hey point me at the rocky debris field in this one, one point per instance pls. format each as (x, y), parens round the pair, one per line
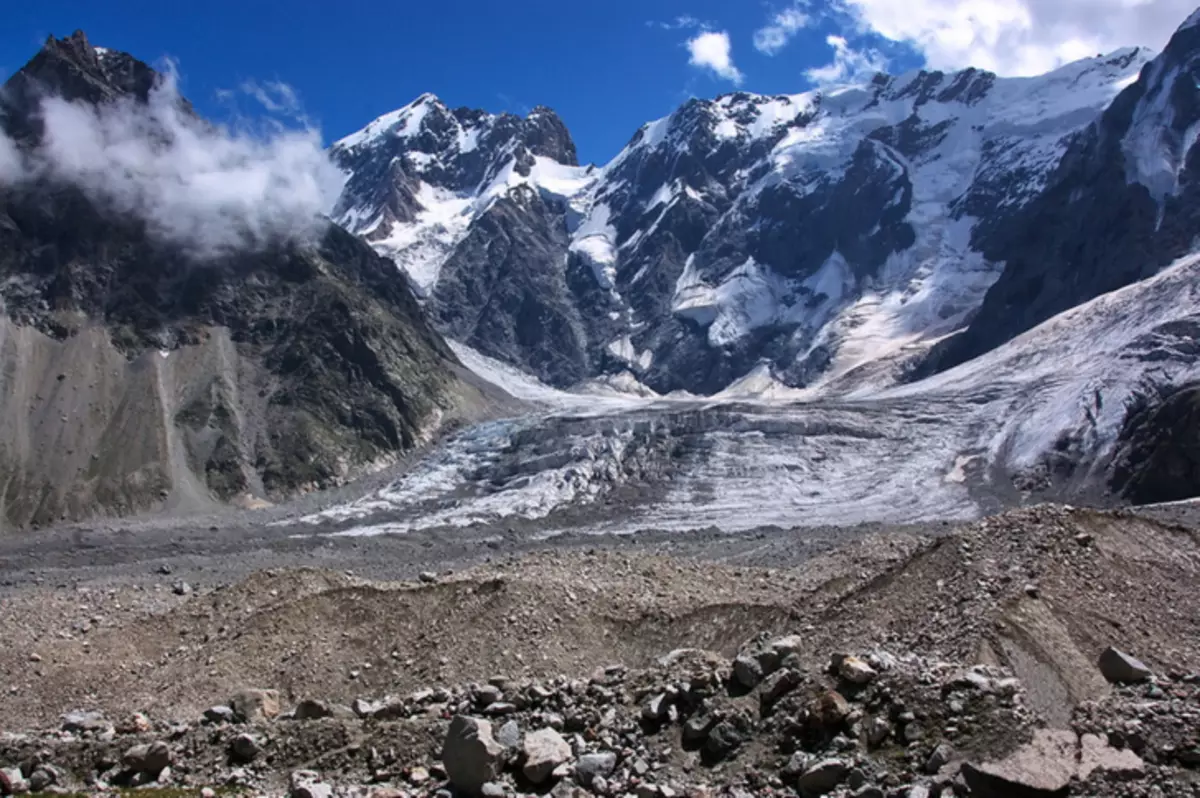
(1044, 652)
(694, 724)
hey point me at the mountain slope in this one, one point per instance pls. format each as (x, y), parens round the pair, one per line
(134, 375)
(813, 233)
(1120, 207)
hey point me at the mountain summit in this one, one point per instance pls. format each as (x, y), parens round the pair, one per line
(819, 235)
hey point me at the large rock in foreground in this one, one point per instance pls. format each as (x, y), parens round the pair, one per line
(470, 754)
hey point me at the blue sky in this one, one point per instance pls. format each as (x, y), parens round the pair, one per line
(605, 66)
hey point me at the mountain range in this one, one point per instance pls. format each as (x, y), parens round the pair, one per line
(887, 241)
(834, 237)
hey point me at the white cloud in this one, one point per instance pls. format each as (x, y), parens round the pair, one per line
(12, 168)
(712, 50)
(848, 65)
(679, 23)
(1019, 37)
(204, 188)
(773, 37)
(276, 97)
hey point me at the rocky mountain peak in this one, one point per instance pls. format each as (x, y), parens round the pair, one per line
(182, 379)
(70, 68)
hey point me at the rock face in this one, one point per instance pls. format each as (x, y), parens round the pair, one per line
(1119, 207)
(1157, 458)
(736, 232)
(140, 376)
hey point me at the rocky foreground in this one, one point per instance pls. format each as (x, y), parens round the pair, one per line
(1047, 652)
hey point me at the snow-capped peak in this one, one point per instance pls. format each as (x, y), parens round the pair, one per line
(401, 123)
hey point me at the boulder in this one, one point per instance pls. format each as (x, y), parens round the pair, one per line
(724, 739)
(79, 722)
(255, 705)
(148, 758)
(308, 784)
(590, 766)
(509, 735)
(219, 714)
(470, 755)
(656, 707)
(1120, 668)
(12, 782)
(939, 758)
(779, 684)
(747, 672)
(829, 709)
(1097, 756)
(311, 709)
(1041, 769)
(855, 671)
(244, 748)
(543, 751)
(823, 777)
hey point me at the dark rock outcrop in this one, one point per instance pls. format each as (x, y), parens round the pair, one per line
(137, 376)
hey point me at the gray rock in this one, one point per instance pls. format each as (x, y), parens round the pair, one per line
(470, 754)
(79, 722)
(255, 705)
(938, 759)
(747, 672)
(493, 790)
(148, 758)
(219, 714)
(1041, 769)
(1097, 756)
(724, 739)
(42, 778)
(823, 777)
(697, 727)
(1120, 668)
(796, 765)
(308, 784)
(779, 684)
(488, 695)
(656, 707)
(543, 751)
(12, 782)
(244, 748)
(509, 735)
(589, 766)
(181, 588)
(311, 709)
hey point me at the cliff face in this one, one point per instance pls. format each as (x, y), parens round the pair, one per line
(135, 376)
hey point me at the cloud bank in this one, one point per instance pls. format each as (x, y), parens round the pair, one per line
(712, 50)
(774, 36)
(207, 189)
(1018, 37)
(849, 65)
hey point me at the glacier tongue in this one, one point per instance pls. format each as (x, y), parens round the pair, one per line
(952, 446)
